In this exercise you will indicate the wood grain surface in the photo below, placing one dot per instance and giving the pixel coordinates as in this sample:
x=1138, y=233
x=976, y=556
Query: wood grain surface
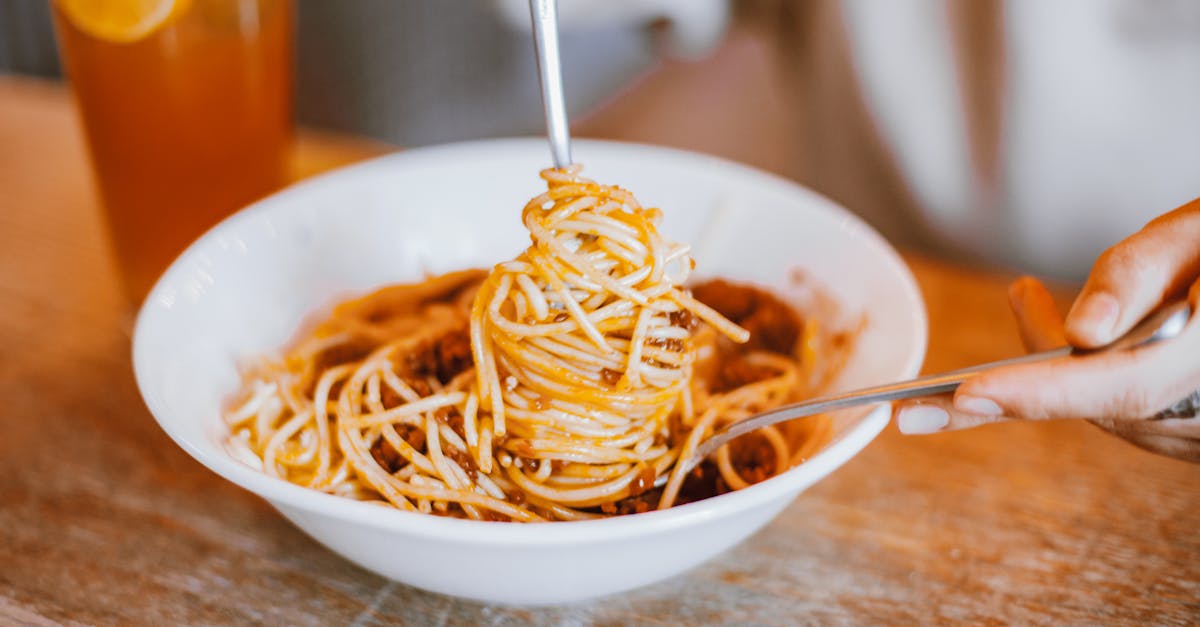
x=104, y=521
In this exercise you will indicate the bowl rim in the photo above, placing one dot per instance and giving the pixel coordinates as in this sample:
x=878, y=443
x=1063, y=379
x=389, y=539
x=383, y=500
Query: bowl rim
x=282, y=493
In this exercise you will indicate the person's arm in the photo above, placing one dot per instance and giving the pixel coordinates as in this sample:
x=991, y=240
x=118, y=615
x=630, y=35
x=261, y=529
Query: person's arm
x=1117, y=391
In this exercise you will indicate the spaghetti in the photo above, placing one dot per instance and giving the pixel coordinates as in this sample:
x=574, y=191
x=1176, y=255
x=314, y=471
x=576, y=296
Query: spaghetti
x=557, y=387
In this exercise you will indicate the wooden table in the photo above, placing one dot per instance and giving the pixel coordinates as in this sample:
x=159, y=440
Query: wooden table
x=104, y=520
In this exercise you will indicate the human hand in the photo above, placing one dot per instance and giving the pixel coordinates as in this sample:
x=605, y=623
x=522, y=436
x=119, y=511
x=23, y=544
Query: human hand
x=1118, y=391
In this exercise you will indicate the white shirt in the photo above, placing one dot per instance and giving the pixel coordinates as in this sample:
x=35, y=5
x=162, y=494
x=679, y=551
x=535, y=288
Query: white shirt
x=1098, y=119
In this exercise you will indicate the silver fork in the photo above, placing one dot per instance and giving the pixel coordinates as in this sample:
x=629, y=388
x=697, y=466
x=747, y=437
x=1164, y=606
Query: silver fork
x=1165, y=323
x=544, y=14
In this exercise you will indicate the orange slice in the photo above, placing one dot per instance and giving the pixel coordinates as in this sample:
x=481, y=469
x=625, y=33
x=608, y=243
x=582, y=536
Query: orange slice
x=121, y=21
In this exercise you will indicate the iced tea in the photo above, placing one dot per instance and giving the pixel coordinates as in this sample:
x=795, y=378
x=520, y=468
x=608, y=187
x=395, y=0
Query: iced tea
x=185, y=124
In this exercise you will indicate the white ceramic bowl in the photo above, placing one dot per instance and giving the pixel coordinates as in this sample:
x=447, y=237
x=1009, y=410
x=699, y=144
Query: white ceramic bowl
x=244, y=287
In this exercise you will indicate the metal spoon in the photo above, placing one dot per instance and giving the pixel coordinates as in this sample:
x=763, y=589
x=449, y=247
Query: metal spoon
x=1165, y=323
x=544, y=14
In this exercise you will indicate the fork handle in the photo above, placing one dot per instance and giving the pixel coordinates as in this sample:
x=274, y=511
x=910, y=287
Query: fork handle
x=924, y=386
x=544, y=14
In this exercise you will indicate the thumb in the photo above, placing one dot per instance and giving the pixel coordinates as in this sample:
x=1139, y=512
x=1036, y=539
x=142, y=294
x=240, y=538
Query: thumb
x=1132, y=278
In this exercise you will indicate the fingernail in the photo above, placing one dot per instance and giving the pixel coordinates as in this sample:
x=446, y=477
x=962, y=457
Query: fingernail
x=920, y=419
x=977, y=405
x=1099, y=312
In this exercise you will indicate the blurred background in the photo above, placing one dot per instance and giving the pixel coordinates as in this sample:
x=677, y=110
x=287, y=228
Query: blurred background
x=1021, y=133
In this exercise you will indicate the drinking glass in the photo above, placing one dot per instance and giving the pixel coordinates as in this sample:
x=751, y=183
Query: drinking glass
x=187, y=110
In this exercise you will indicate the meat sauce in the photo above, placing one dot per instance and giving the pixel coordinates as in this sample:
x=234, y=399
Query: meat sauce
x=774, y=327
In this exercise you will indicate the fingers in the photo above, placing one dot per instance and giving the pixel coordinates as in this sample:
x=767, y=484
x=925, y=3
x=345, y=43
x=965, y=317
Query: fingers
x=1038, y=319
x=1119, y=385
x=1133, y=277
x=1109, y=387
x=1178, y=438
x=932, y=414
x=937, y=413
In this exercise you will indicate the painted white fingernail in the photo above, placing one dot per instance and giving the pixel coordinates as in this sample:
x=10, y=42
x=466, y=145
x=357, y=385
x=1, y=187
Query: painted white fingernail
x=978, y=406
x=920, y=419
